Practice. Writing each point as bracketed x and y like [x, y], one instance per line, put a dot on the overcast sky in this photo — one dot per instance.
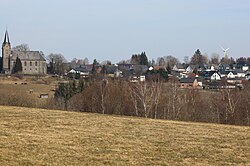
[115, 29]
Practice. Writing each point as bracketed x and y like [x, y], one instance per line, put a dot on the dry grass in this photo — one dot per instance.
[26, 91]
[44, 137]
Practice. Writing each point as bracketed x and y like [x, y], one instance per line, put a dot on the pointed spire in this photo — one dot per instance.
[6, 37]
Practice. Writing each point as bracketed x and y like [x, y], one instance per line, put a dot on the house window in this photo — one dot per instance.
[25, 64]
[30, 69]
[35, 63]
[30, 63]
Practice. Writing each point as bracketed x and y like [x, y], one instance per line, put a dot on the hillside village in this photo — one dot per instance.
[194, 74]
[206, 76]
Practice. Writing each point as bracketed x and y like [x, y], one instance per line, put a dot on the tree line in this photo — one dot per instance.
[157, 100]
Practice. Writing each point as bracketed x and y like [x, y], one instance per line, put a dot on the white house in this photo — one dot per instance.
[240, 73]
[230, 75]
[245, 68]
[189, 69]
[215, 76]
[179, 68]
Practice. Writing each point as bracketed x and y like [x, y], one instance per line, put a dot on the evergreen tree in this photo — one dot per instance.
[168, 69]
[94, 65]
[164, 74]
[81, 85]
[65, 91]
[198, 58]
[143, 59]
[18, 66]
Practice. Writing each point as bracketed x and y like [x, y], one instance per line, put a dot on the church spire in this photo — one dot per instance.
[6, 38]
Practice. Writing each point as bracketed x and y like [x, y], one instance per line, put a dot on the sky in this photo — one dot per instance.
[116, 29]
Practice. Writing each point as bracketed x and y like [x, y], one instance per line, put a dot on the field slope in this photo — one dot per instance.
[48, 137]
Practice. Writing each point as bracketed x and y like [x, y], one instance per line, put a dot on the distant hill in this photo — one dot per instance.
[49, 137]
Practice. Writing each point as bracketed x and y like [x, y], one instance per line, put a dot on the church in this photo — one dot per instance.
[33, 62]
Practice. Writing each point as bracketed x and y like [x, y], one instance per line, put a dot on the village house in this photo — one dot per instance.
[223, 67]
[179, 68]
[82, 70]
[189, 83]
[240, 73]
[215, 77]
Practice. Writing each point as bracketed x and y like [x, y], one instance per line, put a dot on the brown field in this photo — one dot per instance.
[48, 137]
[27, 90]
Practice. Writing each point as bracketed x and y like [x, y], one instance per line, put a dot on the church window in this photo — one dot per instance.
[25, 64]
[35, 63]
[30, 63]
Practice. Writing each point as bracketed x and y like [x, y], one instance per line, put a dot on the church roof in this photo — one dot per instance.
[28, 55]
[6, 38]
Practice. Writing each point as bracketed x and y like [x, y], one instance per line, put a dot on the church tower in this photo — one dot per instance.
[6, 52]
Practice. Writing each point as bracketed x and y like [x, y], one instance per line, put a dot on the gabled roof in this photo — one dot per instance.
[124, 67]
[27, 55]
[208, 73]
[111, 69]
[187, 80]
[81, 69]
[226, 72]
[239, 71]
[139, 69]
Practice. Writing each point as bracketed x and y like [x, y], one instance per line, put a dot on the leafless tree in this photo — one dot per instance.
[157, 90]
[215, 58]
[21, 47]
[186, 60]
[58, 62]
[230, 100]
[175, 101]
[171, 60]
[102, 88]
[143, 91]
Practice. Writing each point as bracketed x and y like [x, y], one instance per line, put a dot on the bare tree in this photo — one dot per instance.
[157, 90]
[186, 60]
[230, 100]
[192, 97]
[215, 58]
[171, 60]
[143, 91]
[58, 63]
[102, 88]
[161, 61]
[175, 101]
[21, 47]
[85, 61]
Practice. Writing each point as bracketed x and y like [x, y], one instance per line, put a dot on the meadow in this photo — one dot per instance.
[30, 136]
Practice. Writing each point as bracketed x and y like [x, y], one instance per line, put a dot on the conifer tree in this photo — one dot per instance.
[18, 66]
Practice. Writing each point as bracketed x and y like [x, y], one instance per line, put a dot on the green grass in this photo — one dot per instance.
[48, 137]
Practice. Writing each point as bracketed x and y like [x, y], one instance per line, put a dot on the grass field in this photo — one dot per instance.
[14, 85]
[48, 137]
